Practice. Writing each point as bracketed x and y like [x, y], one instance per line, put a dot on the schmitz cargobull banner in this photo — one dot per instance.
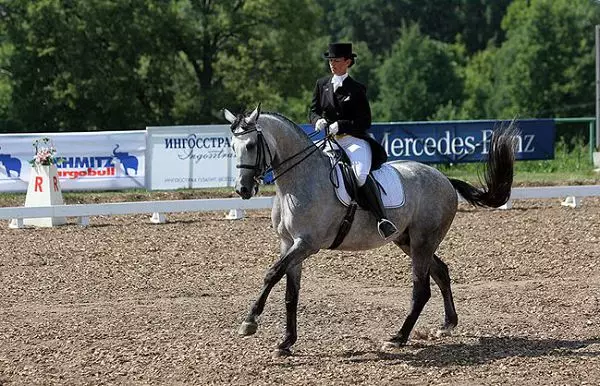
[108, 160]
[189, 157]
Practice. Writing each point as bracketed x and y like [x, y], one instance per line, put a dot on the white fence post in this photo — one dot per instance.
[16, 223]
[571, 201]
[235, 214]
[158, 218]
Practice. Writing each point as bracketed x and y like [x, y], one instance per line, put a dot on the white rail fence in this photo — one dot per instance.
[157, 208]
[572, 194]
[236, 206]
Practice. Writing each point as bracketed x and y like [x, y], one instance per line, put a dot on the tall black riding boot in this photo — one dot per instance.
[371, 198]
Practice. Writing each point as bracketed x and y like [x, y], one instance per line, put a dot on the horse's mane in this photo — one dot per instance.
[286, 120]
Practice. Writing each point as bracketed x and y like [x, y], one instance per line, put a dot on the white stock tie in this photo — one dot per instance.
[336, 85]
[337, 81]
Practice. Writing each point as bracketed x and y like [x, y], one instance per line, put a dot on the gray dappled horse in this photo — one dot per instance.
[307, 214]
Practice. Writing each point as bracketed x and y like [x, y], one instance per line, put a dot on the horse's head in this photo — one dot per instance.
[250, 150]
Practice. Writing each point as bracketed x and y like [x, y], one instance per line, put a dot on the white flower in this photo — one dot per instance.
[45, 152]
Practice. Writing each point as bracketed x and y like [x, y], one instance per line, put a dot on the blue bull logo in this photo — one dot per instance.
[127, 160]
[10, 164]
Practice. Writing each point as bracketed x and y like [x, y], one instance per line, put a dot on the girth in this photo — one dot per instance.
[349, 179]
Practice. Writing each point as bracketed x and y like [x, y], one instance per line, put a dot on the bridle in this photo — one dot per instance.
[262, 166]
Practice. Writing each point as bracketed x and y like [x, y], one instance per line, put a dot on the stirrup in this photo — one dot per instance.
[387, 224]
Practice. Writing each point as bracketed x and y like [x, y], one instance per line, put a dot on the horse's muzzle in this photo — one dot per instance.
[246, 193]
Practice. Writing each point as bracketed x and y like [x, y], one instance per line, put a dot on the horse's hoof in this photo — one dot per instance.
[282, 353]
[391, 345]
[443, 332]
[248, 328]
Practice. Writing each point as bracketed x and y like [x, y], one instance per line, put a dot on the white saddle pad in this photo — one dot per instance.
[392, 194]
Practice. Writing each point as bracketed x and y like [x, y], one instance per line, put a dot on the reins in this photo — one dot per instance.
[271, 168]
[262, 166]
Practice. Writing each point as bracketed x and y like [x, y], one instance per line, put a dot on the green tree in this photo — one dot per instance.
[378, 22]
[122, 64]
[239, 53]
[85, 64]
[420, 77]
[478, 23]
[6, 49]
[479, 86]
[545, 68]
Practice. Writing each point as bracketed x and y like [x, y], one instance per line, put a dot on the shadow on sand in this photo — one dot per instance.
[486, 350]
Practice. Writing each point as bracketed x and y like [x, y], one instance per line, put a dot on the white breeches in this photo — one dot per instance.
[359, 152]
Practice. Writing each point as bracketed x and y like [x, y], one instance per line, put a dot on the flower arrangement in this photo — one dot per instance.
[45, 153]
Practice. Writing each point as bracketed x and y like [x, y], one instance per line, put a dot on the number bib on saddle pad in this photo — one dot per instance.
[392, 194]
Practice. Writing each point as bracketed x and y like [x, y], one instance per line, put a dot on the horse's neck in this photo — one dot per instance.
[309, 174]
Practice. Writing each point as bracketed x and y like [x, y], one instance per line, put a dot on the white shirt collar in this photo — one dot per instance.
[338, 79]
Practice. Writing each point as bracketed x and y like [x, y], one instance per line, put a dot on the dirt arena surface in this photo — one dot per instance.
[125, 301]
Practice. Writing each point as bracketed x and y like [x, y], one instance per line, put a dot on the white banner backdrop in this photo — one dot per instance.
[108, 160]
[189, 157]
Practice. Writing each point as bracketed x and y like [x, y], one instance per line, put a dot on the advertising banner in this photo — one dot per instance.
[462, 141]
[458, 141]
[109, 160]
[176, 157]
[189, 157]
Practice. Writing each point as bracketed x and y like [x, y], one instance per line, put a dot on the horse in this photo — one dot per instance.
[306, 213]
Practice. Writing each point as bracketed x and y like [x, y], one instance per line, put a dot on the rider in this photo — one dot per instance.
[340, 104]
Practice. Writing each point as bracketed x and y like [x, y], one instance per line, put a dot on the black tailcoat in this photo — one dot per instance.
[350, 108]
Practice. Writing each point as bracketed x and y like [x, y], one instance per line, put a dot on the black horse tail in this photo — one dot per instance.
[498, 173]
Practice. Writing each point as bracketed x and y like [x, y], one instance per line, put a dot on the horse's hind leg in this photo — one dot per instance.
[441, 276]
[421, 254]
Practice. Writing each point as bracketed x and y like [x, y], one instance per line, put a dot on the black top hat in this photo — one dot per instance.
[339, 50]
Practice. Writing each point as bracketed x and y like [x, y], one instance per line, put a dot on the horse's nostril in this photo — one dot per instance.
[243, 190]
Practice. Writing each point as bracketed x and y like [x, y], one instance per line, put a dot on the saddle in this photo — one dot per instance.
[346, 188]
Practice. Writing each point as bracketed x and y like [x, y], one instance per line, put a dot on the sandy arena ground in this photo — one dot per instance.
[128, 302]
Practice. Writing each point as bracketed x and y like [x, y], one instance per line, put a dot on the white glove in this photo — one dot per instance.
[320, 124]
[333, 128]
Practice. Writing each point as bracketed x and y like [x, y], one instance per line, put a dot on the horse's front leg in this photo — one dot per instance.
[299, 251]
[292, 291]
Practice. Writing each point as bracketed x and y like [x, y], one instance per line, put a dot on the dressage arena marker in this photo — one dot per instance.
[158, 209]
[44, 190]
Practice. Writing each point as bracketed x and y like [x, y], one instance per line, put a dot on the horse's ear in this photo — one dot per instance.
[254, 115]
[229, 115]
